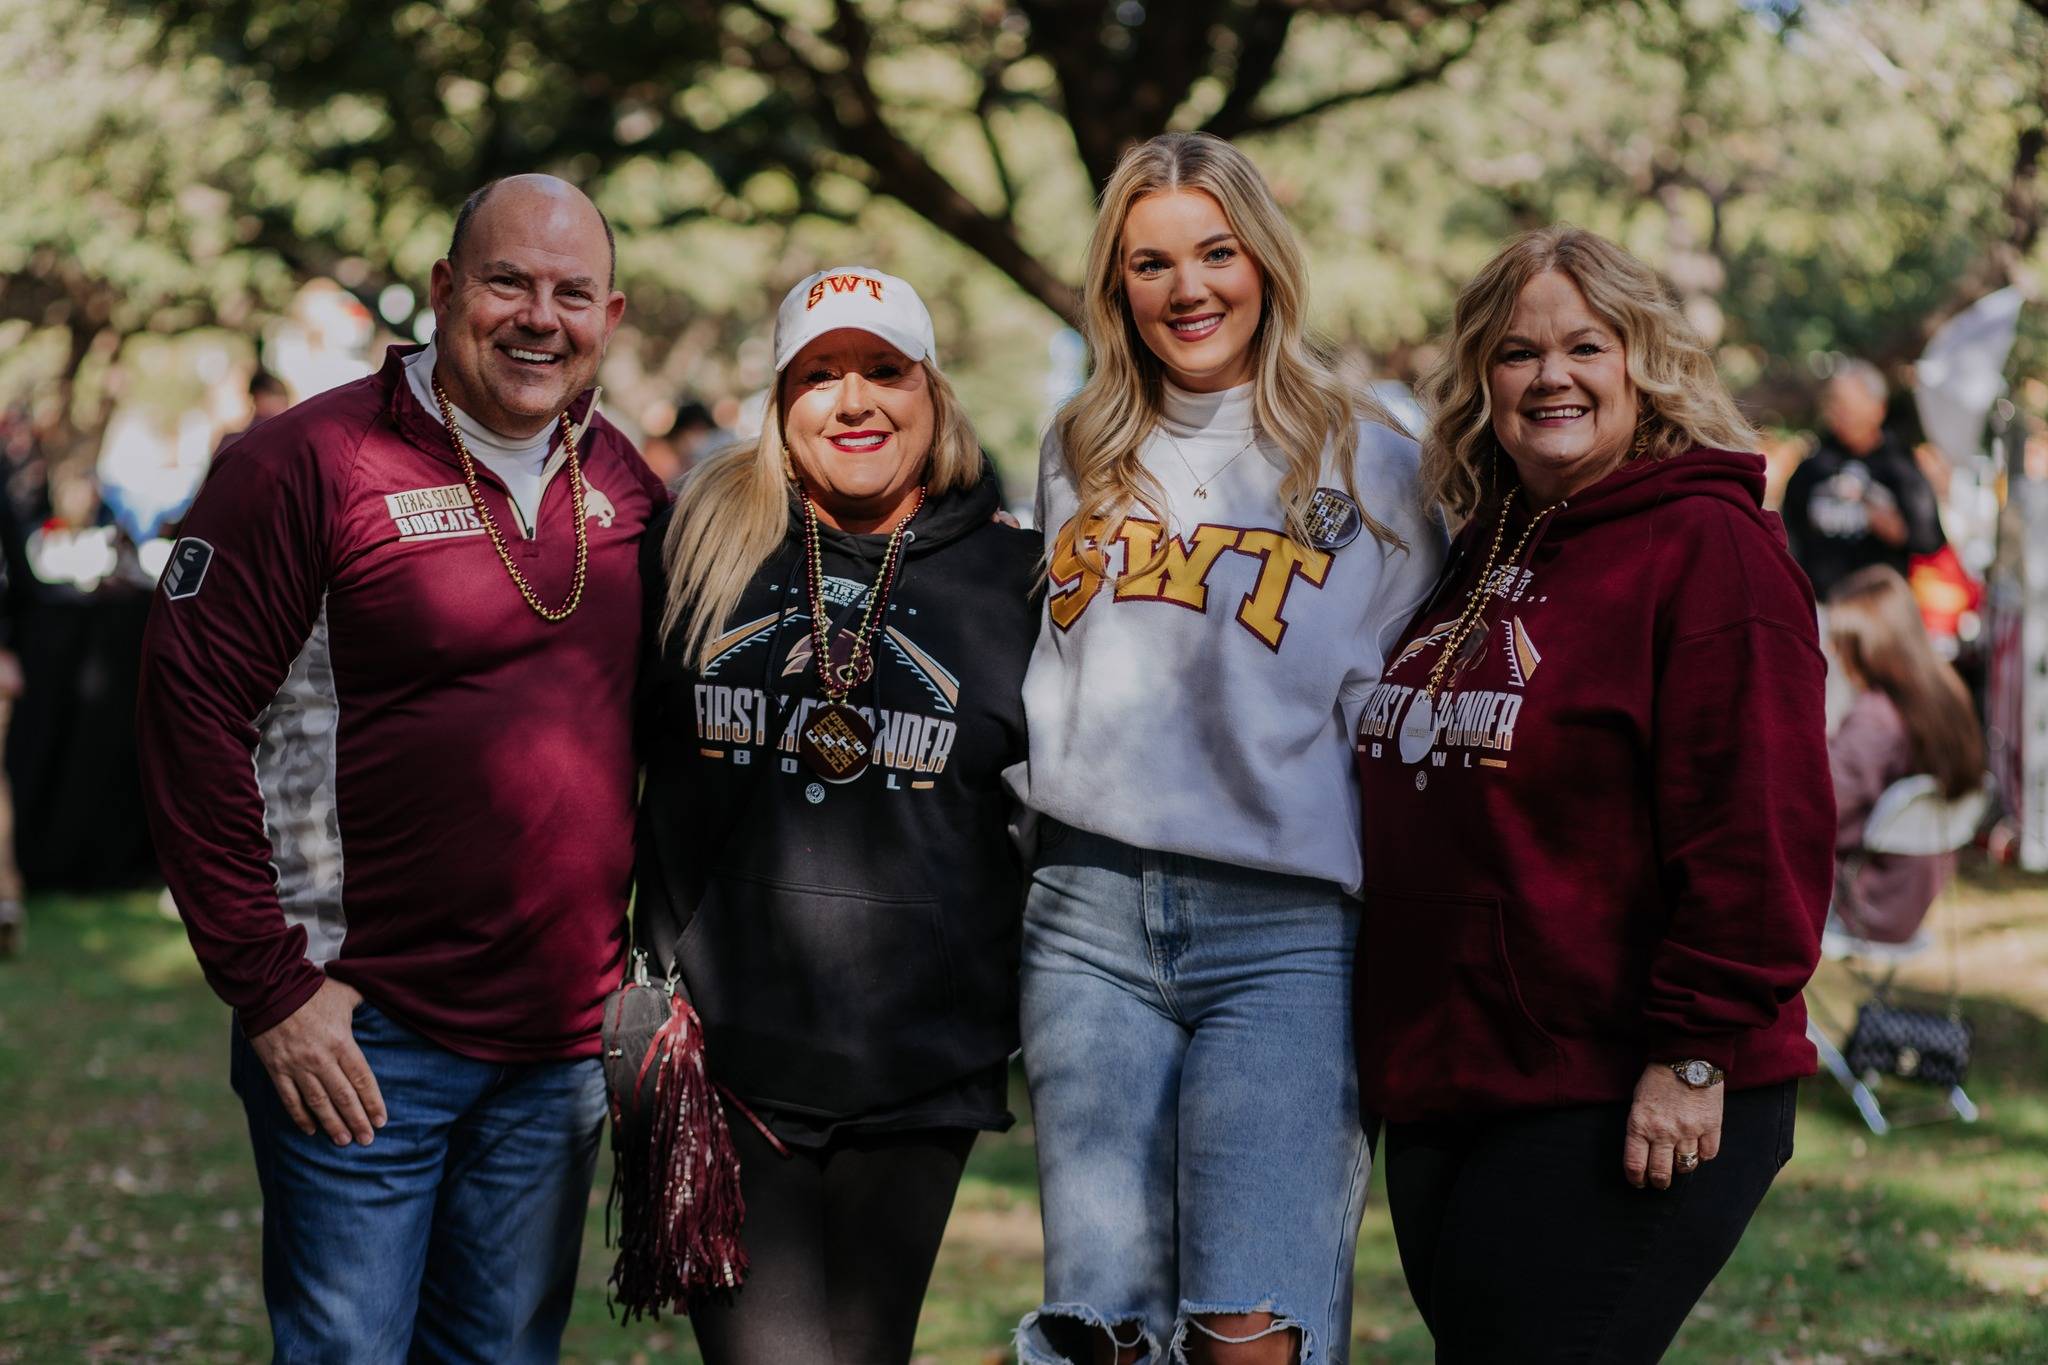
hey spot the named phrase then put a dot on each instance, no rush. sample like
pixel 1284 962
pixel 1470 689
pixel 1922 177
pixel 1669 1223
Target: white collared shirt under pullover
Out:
pixel 1208 708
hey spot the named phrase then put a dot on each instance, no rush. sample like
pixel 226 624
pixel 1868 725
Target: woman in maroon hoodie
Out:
pixel 1598 827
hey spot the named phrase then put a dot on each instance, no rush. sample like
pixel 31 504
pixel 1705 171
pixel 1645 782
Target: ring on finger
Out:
pixel 1688 1162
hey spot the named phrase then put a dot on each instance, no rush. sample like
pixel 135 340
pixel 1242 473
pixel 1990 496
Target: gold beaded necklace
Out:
pixel 1475 601
pixel 1418 727
pixel 553 615
pixel 836 742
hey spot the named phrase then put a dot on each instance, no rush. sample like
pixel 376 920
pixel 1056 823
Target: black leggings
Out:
pixel 1521 1240
pixel 841 1242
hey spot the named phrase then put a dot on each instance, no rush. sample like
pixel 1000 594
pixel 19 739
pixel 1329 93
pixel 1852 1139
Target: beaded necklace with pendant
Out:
pixel 1418 727
pixel 836 741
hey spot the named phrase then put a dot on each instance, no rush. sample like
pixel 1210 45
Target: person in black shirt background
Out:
pixel 1858 499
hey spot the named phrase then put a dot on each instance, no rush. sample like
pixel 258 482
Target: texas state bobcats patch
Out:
pixel 186 569
pixel 447 512
pixel 434 513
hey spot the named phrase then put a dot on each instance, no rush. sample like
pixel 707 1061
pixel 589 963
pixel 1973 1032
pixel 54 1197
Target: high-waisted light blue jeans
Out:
pixel 1187 1037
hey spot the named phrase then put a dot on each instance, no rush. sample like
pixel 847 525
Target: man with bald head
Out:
pixel 385 715
pixel 1858 499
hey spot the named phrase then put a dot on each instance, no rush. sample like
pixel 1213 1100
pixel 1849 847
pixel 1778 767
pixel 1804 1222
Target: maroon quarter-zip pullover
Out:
pixel 366 756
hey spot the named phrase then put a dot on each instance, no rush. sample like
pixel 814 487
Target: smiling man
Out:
pixel 386 731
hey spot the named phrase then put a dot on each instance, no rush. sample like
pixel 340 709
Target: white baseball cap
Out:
pixel 856 297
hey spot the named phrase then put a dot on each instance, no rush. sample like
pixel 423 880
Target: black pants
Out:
pixel 841 1242
pixel 1522 1242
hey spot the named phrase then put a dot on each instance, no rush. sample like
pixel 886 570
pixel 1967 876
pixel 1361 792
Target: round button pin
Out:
pixel 1333 519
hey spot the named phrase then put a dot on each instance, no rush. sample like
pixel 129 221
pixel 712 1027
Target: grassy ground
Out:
pixel 128 1209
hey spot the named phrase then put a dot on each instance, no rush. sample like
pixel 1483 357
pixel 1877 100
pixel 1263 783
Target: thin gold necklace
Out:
pixel 1202 484
pixel 553 615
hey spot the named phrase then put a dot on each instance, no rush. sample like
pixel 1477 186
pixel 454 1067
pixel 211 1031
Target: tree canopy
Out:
pixel 1813 176
pixel 810 106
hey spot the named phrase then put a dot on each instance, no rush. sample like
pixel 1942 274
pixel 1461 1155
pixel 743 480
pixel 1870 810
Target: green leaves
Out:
pixel 1811 176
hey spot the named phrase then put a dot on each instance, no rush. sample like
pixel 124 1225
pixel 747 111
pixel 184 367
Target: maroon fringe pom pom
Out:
pixel 675 1180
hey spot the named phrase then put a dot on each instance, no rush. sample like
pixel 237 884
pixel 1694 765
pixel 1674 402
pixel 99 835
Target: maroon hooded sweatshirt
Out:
pixel 365 757
pixel 1615 845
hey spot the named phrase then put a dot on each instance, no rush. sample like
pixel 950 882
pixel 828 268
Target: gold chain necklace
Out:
pixel 1418 728
pixel 1201 484
pixel 1475 601
pixel 483 511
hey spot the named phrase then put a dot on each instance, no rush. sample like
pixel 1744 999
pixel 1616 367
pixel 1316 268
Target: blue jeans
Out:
pixel 454 1236
pixel 1187 1038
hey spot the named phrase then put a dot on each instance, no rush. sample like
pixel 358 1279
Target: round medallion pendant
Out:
pixel 836 743
pixel 1418 729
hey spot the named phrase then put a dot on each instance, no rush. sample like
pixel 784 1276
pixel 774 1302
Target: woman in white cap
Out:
pixel 837 634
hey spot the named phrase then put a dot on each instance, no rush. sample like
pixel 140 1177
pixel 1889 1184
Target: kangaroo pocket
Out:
pixel 1442 1027
pixel 822 1000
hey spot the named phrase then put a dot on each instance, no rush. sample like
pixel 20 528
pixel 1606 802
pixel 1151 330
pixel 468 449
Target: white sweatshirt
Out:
pixel 1208 709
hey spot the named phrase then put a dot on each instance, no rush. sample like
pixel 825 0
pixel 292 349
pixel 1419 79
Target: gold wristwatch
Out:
pixel 1698 1074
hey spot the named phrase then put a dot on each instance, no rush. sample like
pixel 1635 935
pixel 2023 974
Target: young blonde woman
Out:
pixel 836 639
pixel 1234 540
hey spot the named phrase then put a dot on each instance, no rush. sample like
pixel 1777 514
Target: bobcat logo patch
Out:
pixel 596 504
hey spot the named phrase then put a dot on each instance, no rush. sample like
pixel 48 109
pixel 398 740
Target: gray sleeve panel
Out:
pixel 297 762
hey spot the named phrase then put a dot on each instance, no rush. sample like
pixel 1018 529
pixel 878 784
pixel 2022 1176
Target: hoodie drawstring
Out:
pixel 780 713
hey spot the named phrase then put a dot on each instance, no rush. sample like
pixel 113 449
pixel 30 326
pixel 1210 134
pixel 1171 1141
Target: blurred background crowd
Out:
pixel 217 208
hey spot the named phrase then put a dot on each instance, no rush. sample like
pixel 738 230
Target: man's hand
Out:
pixel 1668 1118
pixel 320 1073
pixel 11 682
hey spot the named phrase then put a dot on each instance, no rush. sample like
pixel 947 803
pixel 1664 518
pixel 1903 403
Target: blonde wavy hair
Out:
pixel 1299 403
pixel 1682 403
pixel 734 512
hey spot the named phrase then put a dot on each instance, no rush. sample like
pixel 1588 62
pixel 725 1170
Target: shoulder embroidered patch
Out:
pixel 186 569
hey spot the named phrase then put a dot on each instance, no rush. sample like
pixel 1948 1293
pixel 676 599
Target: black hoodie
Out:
pixel 852 948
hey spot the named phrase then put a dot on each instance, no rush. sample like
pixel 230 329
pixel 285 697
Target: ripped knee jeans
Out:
pixel 1187 1039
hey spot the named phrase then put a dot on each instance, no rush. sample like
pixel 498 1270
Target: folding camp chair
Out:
pixel 1911 819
